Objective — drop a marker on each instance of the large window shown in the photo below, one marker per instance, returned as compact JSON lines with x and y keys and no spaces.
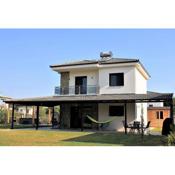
{"x":116,"y":79}
{"x":116,"y":111}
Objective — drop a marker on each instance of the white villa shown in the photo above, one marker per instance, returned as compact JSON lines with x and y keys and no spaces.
{"x":106,"y":88}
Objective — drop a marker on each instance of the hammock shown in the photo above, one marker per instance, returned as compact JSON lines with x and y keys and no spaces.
{"x":100,"y":122}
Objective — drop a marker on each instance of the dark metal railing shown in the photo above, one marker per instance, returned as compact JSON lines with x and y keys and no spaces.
{"x":76,"y":90}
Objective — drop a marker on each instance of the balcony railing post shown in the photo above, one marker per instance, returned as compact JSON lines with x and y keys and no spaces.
{"x":79,"y":89}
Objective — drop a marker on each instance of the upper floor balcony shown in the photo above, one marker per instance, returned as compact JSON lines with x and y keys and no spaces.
{"x":77,"y":90}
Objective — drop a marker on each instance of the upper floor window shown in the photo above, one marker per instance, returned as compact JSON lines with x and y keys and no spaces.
{"x":116,"y":79}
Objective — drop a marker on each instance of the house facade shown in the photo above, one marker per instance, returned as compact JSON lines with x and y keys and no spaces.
{"x":106,"y":89}
{"x":105,"y":76}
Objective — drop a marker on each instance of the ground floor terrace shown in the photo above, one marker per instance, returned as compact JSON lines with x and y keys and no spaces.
{"x":74,"y":109}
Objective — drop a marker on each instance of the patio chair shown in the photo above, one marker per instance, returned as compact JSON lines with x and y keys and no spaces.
{"x":128,"y":126}
{"x":146,"y":128}
{"x":54,"y":123}
{"x":136,"y":126}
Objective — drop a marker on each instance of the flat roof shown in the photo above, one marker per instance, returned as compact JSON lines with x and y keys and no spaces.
{"x":99,"y":98}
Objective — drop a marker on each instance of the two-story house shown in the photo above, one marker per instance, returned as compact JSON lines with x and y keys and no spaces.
{"x":104,"y":88}
{"x":105,"y":77}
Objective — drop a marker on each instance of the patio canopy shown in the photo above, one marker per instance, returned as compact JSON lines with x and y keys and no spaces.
{"x":52,"y":101}
{"x":100,"y":98}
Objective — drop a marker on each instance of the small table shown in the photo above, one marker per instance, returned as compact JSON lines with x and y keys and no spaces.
{"x":135,"y":126}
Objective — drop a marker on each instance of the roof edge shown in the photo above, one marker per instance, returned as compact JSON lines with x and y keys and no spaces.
{"x":144,"y":68}
{"x":153,"y":95}
{"x":71,"y":64}
{"x":95,"y":62}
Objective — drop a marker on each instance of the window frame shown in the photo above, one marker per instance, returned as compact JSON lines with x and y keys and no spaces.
{"x":112,"y":74}
{"x":161,"y":116}
{"x":157,"y":115}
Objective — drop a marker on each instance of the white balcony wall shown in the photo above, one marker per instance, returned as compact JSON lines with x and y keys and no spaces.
{"x":92,"y":77}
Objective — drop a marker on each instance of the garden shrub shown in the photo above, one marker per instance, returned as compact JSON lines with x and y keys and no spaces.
{"x":171,"y":136}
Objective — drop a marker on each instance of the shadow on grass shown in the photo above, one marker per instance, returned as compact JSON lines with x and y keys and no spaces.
{"x":118,"y":139}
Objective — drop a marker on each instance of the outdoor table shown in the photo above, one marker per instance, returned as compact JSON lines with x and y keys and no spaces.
{"x":135,"y":126}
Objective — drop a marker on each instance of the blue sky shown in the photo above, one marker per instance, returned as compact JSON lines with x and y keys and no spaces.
{"x":25,"y":55}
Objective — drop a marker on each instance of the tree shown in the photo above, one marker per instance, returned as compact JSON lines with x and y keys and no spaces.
{"x":3,"y":115}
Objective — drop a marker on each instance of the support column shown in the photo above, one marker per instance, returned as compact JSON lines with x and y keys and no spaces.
{"x":33,"y":115}
{"x":53,"y":112}
{"x":171,"y":111}
{"x":8,"y":115}
{"x":82,"y":118}
{"x":82,"y":123}
{"x":125,"y":118}
{"x":26,"y":111}
{"x":37,"y":117}
{"x":13,"y":115}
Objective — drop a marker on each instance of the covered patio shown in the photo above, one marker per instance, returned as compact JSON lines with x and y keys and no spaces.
{"x":52,"y":101}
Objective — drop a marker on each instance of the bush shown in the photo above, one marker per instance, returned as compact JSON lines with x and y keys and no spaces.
{"x":171,"y":137}
{"x":3,"y":115}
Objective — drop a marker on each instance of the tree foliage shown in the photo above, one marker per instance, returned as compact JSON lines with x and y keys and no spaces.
{"x":171,"y":137}
{"x":3,"y":115}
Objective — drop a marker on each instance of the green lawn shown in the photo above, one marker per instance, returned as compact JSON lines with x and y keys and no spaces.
{"x":157,"y":129}
{"x":63,"y":138}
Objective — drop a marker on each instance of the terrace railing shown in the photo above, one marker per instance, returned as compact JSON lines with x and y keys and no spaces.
{"x":77,"y":90}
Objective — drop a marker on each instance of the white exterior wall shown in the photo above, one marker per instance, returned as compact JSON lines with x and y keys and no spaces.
{"x":92,"y":77}
{"x":140,"y":83}
{"x":158,"y":104}
{"x":129,"y":80}
{"x":141,"y":88}
{"x":141,"y":110}
{"x":103,"y":112}
{"x":134,"y":81}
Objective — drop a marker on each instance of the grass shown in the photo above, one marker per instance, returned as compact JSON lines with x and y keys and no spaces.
{"x":21,"y":126}
{"x":63,"y":138}
{"x":8,"y":126}
{"x":157,"y":129}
